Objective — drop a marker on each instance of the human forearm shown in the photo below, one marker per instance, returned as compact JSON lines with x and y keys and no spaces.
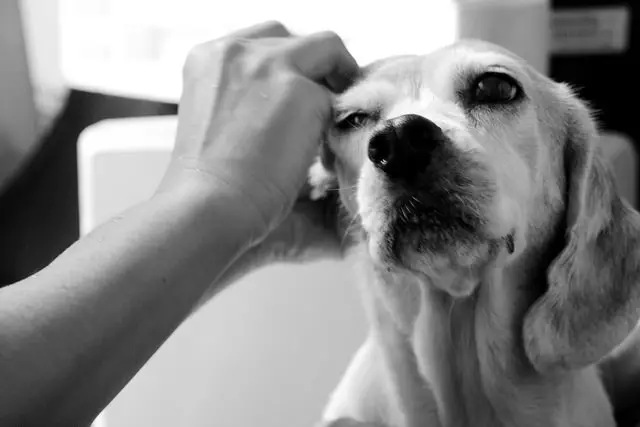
{"x":251,"y":116}
{"x":74,"y":334}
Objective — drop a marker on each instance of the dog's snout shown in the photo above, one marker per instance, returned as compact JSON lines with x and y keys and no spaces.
{"x":405,"y":145}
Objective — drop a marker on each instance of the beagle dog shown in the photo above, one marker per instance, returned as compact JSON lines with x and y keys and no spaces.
{"x":499,"y":266}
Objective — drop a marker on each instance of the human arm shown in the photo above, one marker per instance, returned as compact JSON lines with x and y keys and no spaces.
{"x":74,"y":334}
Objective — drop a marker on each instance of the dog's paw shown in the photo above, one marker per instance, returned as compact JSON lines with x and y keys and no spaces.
{"x":320,"y":180}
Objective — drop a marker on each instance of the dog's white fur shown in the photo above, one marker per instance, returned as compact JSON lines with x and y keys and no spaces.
{"x":467,"y":337}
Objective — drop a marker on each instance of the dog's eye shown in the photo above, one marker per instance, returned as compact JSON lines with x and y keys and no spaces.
{"x":354,"y":120}
{"x":495,"y":88}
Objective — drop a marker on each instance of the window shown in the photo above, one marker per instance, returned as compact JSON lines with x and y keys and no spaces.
{"x":137,"y":47}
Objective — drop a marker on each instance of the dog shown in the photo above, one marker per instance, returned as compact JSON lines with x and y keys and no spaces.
{"x":499,"y":266}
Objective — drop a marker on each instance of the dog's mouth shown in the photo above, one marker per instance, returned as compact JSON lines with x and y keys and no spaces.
{"x":437,"y":218}
{"x":432,"y":222}
{"x":446,"y":247}
{"x":442,"y":231}
{"x":430,"y":205}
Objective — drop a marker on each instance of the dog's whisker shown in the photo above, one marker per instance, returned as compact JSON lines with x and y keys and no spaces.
{"x":450,"y":320}
{"x":444,"y":183}
{"x":353,"y":187}
{"x":348,"y":230}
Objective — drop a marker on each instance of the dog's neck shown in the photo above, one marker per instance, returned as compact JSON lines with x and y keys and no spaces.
{"x":446,"y":342}
{"x":469,"y":350}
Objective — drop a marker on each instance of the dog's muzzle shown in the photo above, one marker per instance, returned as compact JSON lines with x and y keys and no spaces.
{"x":403,"y":148}
{"x":436,"y":194}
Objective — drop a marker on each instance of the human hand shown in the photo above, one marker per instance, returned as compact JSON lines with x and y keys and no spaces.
{"x":254,"y":108}
{"x":313,"y":230}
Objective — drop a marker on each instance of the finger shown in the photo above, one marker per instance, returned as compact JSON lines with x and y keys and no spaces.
{"x":267,"y":29}
{"x":273,"y":30}
{"x":323,"y":57}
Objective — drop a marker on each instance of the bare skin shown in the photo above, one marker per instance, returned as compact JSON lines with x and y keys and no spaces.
{"x":254,"y":107}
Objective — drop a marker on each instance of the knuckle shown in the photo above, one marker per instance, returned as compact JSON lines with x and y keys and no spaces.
{"x":261,"y":65}
{"x":304,"y":89}
{"x":202,"y":55}
{"x":196,"y":56}
{"x":296,"y":83}
{"x":230,"y":46}
{"x":274,"y":25}
{"x":330,"y":37}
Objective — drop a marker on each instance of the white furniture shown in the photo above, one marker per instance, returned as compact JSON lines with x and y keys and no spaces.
{"x":266,"y":352}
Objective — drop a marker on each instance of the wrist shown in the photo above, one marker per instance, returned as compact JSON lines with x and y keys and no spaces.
{"x":217,"y":216}
{"x":230,"y":238}
{"x":232,"y":190}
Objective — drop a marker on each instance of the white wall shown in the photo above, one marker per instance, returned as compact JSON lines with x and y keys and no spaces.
{"x":18,"y":129}
{"x":42,"y":38}
{"x":32,"y":88}
{"x":267,"y":352}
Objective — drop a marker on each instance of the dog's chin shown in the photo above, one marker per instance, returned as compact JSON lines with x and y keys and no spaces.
{"x":451,"y":262}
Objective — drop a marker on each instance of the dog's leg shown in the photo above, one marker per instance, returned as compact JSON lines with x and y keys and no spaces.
{"x":360,"y":395}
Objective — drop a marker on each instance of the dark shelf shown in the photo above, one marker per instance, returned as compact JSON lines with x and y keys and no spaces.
{"x":39,"y":210}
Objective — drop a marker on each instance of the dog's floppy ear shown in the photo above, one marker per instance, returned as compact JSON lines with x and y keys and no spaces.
{"x":593,"y":299}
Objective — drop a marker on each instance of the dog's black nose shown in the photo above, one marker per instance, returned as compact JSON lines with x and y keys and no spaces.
{"x":404,"y":146}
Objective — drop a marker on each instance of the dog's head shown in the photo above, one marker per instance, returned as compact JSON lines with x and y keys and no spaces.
{"x":441,"y":158}
{"x":449,"y":160}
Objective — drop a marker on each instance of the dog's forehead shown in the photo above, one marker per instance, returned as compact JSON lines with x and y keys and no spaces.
{"x":437,"y":73}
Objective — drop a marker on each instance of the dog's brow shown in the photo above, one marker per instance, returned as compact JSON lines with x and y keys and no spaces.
{"x":360,"y":98}
{"x":501,"y":68}
{"x":416,"y":85}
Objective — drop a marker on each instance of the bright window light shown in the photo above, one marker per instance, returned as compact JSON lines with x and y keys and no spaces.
{"x":137,"y":47}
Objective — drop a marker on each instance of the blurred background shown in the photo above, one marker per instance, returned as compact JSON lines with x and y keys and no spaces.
{"x":88,"y":97}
